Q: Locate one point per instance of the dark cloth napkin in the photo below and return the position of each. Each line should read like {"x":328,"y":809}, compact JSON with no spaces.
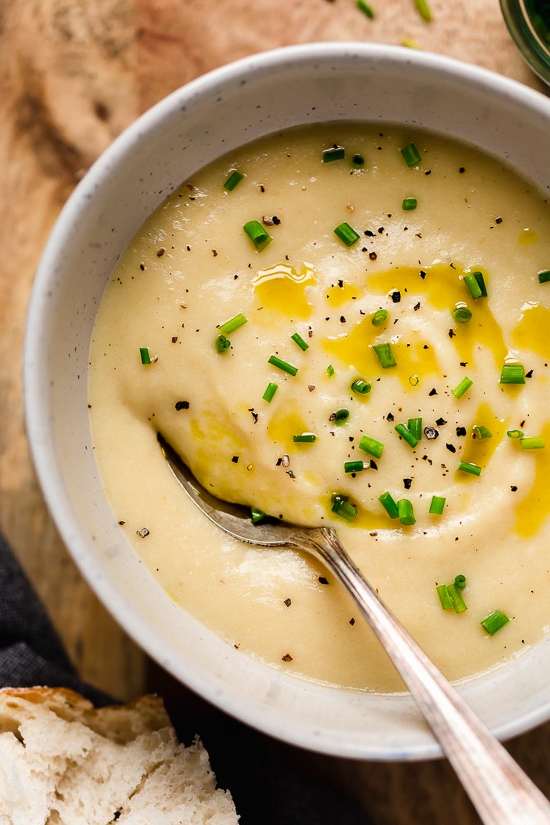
{"x":268,"y":780}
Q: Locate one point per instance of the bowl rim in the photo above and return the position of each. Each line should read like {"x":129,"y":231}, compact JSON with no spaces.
{"x":38,"y":324}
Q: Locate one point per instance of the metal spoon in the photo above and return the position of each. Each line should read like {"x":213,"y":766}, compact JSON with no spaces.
{"x":500,"y":791}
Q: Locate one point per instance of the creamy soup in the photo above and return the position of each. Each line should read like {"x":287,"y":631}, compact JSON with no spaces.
{"x":343,"y":325}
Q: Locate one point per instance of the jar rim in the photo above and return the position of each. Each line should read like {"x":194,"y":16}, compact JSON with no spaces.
{"x":534,"y":50}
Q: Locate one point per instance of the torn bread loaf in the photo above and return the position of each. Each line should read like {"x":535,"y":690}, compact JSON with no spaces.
{"x":63,"y":762}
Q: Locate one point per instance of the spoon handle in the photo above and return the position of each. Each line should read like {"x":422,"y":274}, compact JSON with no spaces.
{"x":500,"y":791}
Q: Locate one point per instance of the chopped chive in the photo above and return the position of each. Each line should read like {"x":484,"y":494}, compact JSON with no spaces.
{"x":234,"y":323}
{"x":444,"y":597}
{"x":144,"y":354}
{"x":338,"y":497}
{"x":222,"y":343}
{"x":361,"y":386}
{"x":257,"y":234}
{"x":389,"y":505}
{"x":257,"y":515}
{"x":409,"y":204}
{"x":385,"y":355}
{"x":405,"y":512}
{"x":304,"y":438}
{"x":365,"y":8}
{"x":544,"y":276}
{"x":460,"y":581}
{"x":461,"y":313}
{"x":411,"y":43}
{"x":532,"y":443}
{"x":333,"y":153}
{"x":371,"y":446}
{"x":379,"y":317}
{"x":282,"y":365}
{"x":462,"y":387}
{"x":423,"y":10}
{"x":437,"y":504}
{"x":403,"y":431}
{"x":353,"y":466}
{"x":480,"y":431}
{"x":358,"y":160}
{"x":411,"y":155}
{"x":456,"y":597}
{"x":468,"y":467}
{"x":347,"y":234}
{"x":512,"y":374}
{"x":476,"y":284}
{"x":494,"y":622}
{"x":330,"y":370}
{"x":270,"y":391}
{"x":297,"y":338}
{"x":414,"y":426}
{"x":233,"y":179}
{"x":514,"y":433}
{"x":340,"y":416}
{"x":343,"y":508}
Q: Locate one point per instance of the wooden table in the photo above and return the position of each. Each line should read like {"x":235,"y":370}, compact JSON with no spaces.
{"x":73,"y":74}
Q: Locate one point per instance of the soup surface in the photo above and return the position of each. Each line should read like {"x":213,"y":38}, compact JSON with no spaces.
{"x":339,"y":362}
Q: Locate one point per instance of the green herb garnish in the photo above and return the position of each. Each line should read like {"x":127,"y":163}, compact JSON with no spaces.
{"x":423,"y":10}
{"x":406,"y":435}
{"x":371,"y":446}
{"x":389,"y":505}
{"x":365,"y":8}
{"x":297,"y":338}
{"x":481,"y":432}
{"x":385,"y":355}
{"x":462,"y":387}
{"x":379,"y":317}
{"x":532,"y":443}
{"x":353,"y":466}
{"x":409,"y":204}
{"x":468,"y":467}
{"x":405,"y":512}
{"x":232,"y":181}
{"x":494,"y":622}
{"x":512,"y":374}
{"x":437,"y":504}
{"x":333,"y":153}
{"x":361,"y":386}
{"x":270,"y":391}
{"x":411,"y":155}
{"x":347,"y":234}
{"x":343,"y":508}
{"x":304,"y":438}
{"x":340,"y":416}
{"x":275,"y":361}
{"x":144,"y":355}
{"x":234,"y":323}
{"x":257,"y":234}
{"x":222,"y":343}
{"x":461,"y":313}
{"x":476,"y":284}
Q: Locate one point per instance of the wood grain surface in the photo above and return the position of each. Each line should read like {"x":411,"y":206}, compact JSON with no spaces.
{"x":73,"y":74}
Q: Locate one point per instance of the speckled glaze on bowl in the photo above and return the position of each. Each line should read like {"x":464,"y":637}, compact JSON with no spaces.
{"x":206,"y":118}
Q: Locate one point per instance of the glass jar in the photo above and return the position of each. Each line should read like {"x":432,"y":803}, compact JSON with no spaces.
{"x":528,"y":22}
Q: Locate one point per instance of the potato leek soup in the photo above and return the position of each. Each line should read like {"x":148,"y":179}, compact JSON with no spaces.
{"x":339,"y":325}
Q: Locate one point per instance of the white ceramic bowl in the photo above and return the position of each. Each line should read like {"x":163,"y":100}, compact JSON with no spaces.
{"x":190,"y":128}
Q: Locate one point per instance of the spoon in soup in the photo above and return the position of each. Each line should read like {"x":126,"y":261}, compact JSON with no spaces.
{"x":500,"y":791}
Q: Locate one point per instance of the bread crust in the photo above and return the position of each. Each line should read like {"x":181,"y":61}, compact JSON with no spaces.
{"x":65,"y":762}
